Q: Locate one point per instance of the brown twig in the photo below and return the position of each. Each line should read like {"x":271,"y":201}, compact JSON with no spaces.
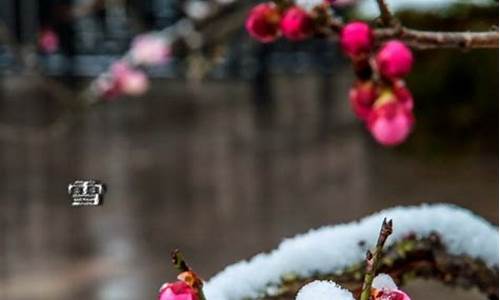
{"x":420,"y":39}
{"x":373,"y":259}
{"x":385,"y":14}
{"x":181,"y":265}
{"x":179,"y":262}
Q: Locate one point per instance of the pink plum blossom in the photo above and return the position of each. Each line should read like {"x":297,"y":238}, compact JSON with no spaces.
{"x":130,"y":81}
{"x":122,"y":80}
{"x":296,"y":24}
{"x":384,"y":288}
{"x":356,"y":39}
{"x":390,"y":123}
{"x":149,"y":49}
{"x":391,"y":295}
{"x":263,"y":22}
{"x":178,"y":290}
{"x":394,"y":60}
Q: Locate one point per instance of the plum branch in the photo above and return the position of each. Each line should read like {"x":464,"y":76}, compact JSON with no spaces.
{"x":420,"y":39}
{"x":406,"y":260}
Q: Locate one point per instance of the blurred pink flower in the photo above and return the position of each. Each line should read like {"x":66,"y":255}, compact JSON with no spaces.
{"x":122,"y":80}
{"x":129,"y":81}
{"x":178,"y":290}
{"x":149,"y":49}
{"x":107,"y":88}
{"x":48,"y":41}
{"x":394,"y":60}
{"x":263,"y":22}
{"x":356,"y":39}
{"x":296,"y":24}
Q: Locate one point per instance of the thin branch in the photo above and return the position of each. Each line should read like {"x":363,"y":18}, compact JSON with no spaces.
{"x":420,"y":39}
{"x":373,"y":259}
{"x":385,"y":13}
{"x":181,"y":265}
{"x":179,"y":262}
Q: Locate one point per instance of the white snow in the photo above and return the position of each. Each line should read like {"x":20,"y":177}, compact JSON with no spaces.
{"x":384,"y":282}
{"x":323,"y":290}
{"x":309,"y":4}
{"x":332,"y":248}
{"x":197,"y":9}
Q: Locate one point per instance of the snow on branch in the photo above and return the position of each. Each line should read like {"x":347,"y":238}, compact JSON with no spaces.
{"x":441,"y":241}
{"x":323,"y":290}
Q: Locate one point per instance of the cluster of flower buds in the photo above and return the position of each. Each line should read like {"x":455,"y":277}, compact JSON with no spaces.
{"x":124,"y":78}
{"x":379,"y":97}
{"x":187,"y":287}
{"x":268,"y":21}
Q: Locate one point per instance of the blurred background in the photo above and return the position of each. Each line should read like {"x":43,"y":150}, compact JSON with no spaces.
{"x":235,"y":146}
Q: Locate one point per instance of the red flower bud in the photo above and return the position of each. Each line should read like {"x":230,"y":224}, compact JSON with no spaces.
{"x":178,"y":290}
{"x":391,"y":295}
{"x":297,"y":24}
{"x":356,"y":39}
{"x":403,"y":94}
{"x":263,"y":22}
{"x":394,"y":60}
{"x":362,"y":96}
